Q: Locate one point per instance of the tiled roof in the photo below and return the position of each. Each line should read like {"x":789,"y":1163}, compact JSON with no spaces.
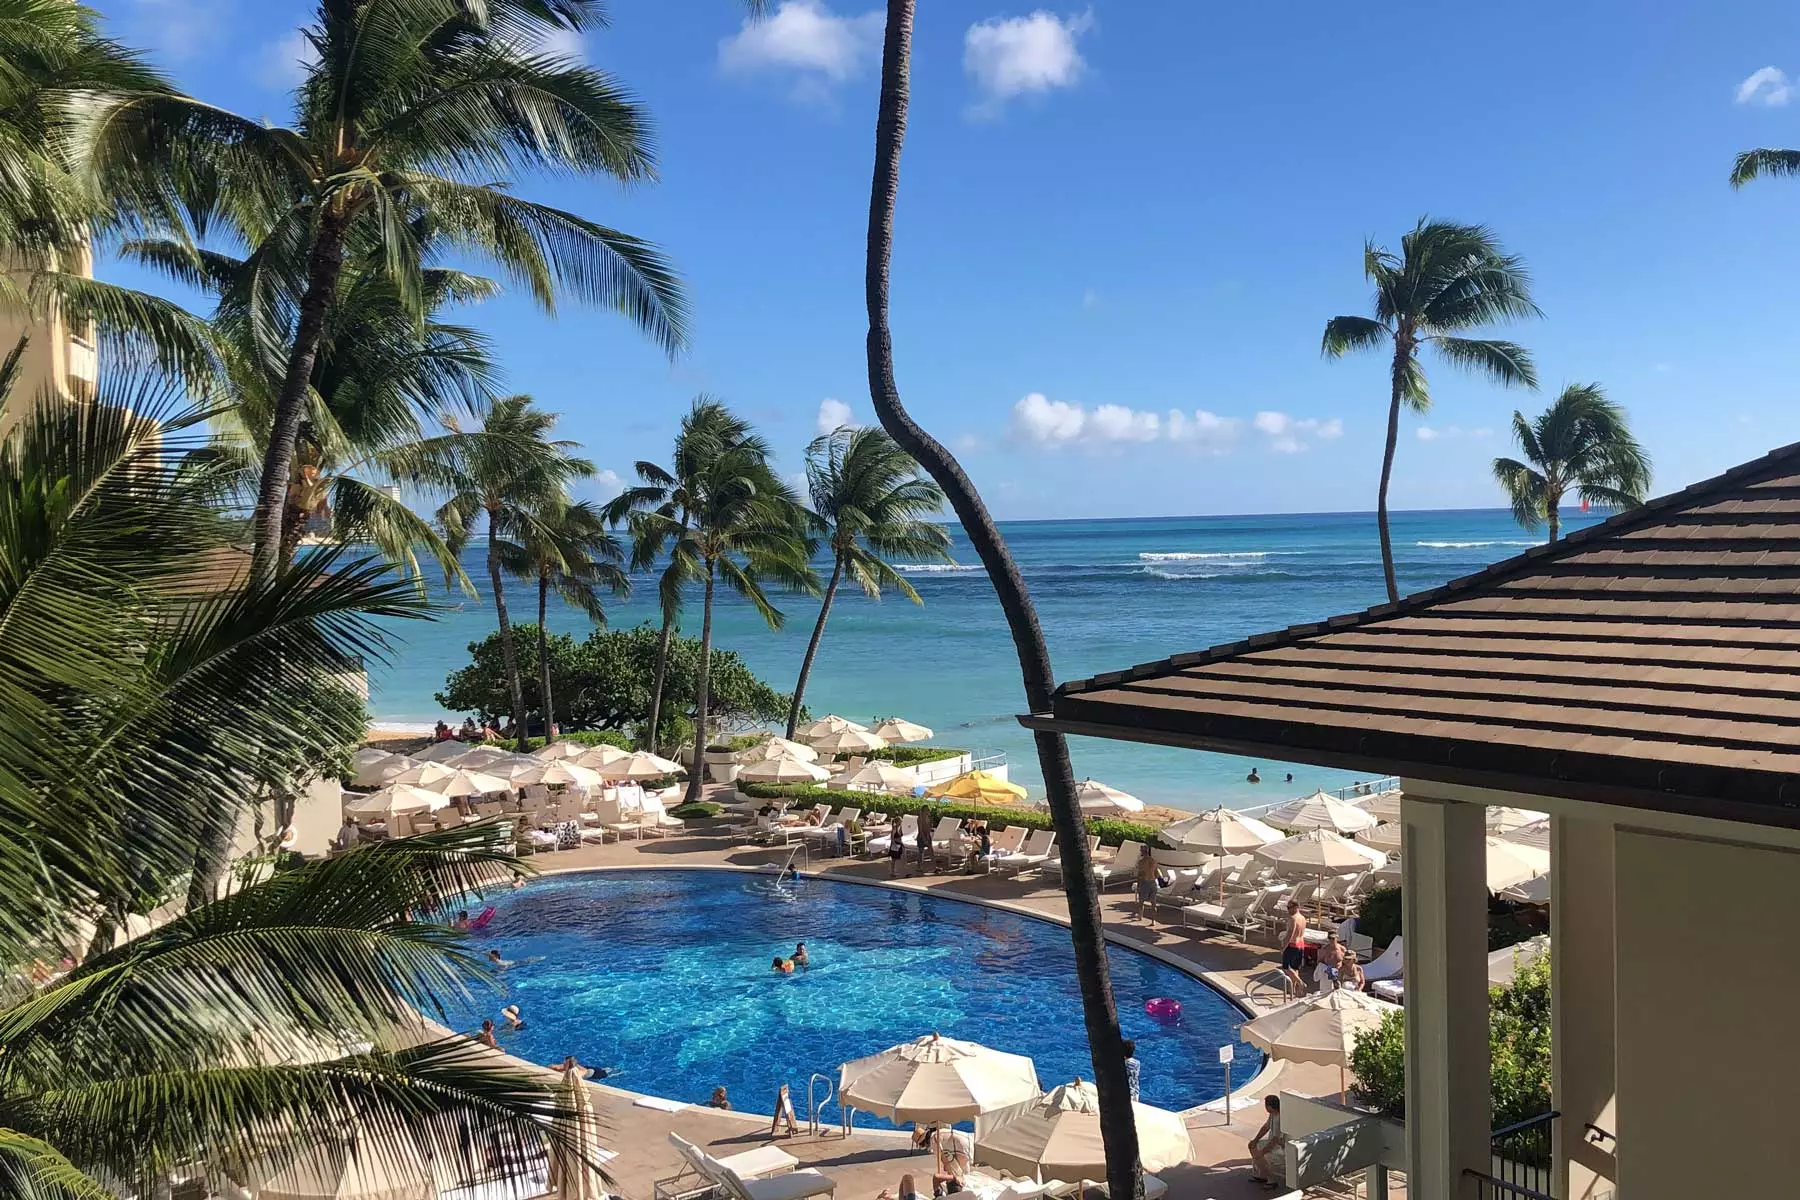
{"x":1653,"y":659}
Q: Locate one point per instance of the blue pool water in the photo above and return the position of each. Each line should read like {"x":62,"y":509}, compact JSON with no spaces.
{"x":665,"y":975}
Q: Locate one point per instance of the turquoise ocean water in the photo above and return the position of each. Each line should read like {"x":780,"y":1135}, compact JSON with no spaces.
{"x":1109,"y":593}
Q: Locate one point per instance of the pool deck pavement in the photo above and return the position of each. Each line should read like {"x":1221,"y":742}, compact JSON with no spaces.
{"x":872,"y":1160}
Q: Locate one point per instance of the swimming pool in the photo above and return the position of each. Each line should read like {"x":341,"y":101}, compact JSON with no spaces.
{"x":665,"y":976}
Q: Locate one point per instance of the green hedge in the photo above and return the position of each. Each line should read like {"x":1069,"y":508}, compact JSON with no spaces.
{"x":699,"y":808}
{"x":909,"y":756}
{"x":587,"y":737}
{"x":1111,"y":832}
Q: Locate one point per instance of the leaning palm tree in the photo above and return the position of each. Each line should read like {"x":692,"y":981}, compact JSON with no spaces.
{"x":567,"y":547}
{"x":504,"y":472}
{"x":1581,"y":444}
{"x":869,"y":505}
{"x":1446,"y":279}
{"x":1754,"y":164}
{"x":409,"y":114}
{"x":1124,"y":1177}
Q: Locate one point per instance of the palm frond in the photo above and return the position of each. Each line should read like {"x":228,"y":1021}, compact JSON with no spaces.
{"x":1345,"y":334}
{"x":1754,"y":164}
{"x":1506,"y":363}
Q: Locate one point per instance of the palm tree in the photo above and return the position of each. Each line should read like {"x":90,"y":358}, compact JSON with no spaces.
{"x":1581,"y":443}
{"x":410,"y":109}
{"x":1753,"y":164}
{"x":1124,"y":1177}
{"x":869,"y":504}
{"x":1447,"y":278}
{"x":565,"y":546}
{"x":505,"y":471}
{"x":146,"y":676}
{"x":658,"y":511}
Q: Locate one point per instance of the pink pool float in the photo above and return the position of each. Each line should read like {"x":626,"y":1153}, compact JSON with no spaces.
{"x":1163,"y":1008}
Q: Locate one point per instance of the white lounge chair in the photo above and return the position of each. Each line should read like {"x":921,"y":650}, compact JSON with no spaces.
{"x":1008,"y":841}
{"x":1385,"y":977}
{"x":1122,"y":867}
{"x":1237,"y":913}
{"x":1035,"y":853}
{"x":909,"y":825}
{"x":1056,"y":864}
{"x":656,"y":822}
{"x":760,"y":1163}
{"x":795,"y":1185}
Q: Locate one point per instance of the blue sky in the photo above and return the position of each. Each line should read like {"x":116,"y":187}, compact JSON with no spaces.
{"x":1117,"y":212}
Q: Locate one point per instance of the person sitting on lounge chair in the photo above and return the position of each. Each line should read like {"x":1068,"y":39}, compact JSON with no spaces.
{"x":907,"y":1190}
{"x":1350,"y":974}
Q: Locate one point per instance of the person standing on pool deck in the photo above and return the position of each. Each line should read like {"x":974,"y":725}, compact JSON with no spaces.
{"x":896,"y":848}
{"x":1293,"y":950}
{"x":1146,"y":884}
{"x":1134,"y":1070}
{"x":922,"y":840}
{"x":784,"y":1108}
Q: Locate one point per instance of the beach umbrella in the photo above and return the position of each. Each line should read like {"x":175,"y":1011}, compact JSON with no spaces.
{"x":1509,"y":863}
{"x":576,"y":1147}
{"x":827,"y":724}
{"x":1321,"y":811}
{"x":880,"y":777}
{"x":847,"y":741}
{"x":936,"y":1080}
{"x":560,"y":773}
{"x":392,"y":1171}
{"x":784,"y":770}
{"x":1094,"y":796}
{"x":375,"y":771}
{"x":601,"y":756}
{"x":1221,"y":831}
{"x":899,"y":729}
{"x":983,"y":787}
{"x":640,"y":764}
{"x":1503,"y":820}
{"x":777,"y":747}
{"x":563,"y":749}
{"x":1321,"y":852}
{"x":468,"y":783}
{"x":396,"y":798}
{"x":1535,"y":890}
{"x":1320,"y":1029}
{"x":422,"y":774}
{"x":1385,"y":837}
{"x":479,"y":757}
{"x":442,"y":751}
{"x":365,"y":754}
{"x":1536,"y":835}
{"x":1057,"y":1136}
{"x":1383,"y":807}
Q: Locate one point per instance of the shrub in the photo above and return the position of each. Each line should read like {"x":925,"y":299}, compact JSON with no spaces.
{"x":1110,"y":831}
{"x":1378,"y":916}
{"x":699,"y":808}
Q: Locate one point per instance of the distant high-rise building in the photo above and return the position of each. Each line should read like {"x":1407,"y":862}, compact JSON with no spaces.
{"x":58,"y":356}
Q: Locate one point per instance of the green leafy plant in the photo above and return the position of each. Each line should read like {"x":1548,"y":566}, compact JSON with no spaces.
{"x":699,"y":808}
{"x":1378,"y":916}
{"x":1110,"y":832}
{"x":909,"y":756}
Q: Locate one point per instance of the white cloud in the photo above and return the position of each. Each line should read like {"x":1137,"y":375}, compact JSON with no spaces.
{"x":1429,"y":433}
{"x":1290,"y":435}
{"x":1116,"y":423}
{"x":1204,"y":431}
{"x":287,"y":60}
{"x":1050,"y":424}
{"x":1015,"y":56}
{"x":1046,"y":422}
{"x":806,"y":37}
{"x":832,"y":414}
{"x":1769,"y":87}
{"x":606,"y":485}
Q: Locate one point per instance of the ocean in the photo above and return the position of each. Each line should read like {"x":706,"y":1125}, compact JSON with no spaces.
{"x":1110,"y":594}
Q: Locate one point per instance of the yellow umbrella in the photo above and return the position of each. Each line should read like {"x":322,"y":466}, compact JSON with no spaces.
{"x":983,"y":787}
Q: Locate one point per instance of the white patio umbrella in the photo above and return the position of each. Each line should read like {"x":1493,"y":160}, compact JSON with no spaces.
{"x":1535,"y":890}
{"x":468,"y":783}
{"x":479,"y":757}
{"x":777,"y":747}
{"x":421,"y":774}
{"x":848,"y":741}
{"x":572,"y":1154}
{"x":1318,"y":1029}
{"x":1383,"y":807}
{"x":1221,"y":831}
{"x":1094,"y":796}
{"x":440,"y":751}
{"x":1057,"y":1136}
{"x":601,"y":756}
{"x":936,"y":1080}
{"x":1321,"y":852}
{"x":1509,"y":863}
{"x":1385,"y":837}
{"x":640,"y":764}
{"x":899,"y":729}
{"x":827,"y":724}
{"x":1502,"y":819}
{"x":365,"y":754}
{"x":560,"y":772}
{"x":375,"y":771}
{"x":396,"y":798}
{"x":1321,"y":811}
{"x":1536,"y":835}
{"x":561,"y":750}
{"x":880,"y":777}
{"x":394,"y":1172}
{"x":784,"y":770}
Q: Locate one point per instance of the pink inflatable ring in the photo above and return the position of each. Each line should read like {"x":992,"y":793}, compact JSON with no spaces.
{"x":1163,"y":1008}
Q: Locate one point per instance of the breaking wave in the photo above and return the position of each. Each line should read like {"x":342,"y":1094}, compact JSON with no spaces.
{"x":1194,"y":556}
{"x":934,"y":568}
{"x":1240,"y":576}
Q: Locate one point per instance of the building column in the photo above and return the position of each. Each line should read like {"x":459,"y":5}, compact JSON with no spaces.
{"x":1444,"y":913}
{"x":1583,"y":992}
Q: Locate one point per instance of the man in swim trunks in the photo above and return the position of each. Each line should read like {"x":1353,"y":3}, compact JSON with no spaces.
{"x":1293,"y":950}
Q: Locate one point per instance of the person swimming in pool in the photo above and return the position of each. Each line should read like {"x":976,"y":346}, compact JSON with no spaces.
{"x":513,"y":1019}
{"x":498,"y":963}
{"x":783,"y":965}
{"x":800,"y":960}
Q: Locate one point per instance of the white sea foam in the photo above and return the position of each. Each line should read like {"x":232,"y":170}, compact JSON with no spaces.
{"x":1194,"y":556}
{"x":934,"y":568}
{"x":1160,"y":573}
{"x":1469,"y":545}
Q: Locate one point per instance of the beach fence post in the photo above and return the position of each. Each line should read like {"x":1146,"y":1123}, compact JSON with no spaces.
{"x":1226,"y":1053}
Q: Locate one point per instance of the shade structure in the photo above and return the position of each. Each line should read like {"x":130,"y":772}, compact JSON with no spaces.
{"x":880,"y":777}
{"x":1383,"y":807}
{"x":1385,"y":837}
{"x":827,"y":724}
{"x":936,"y":1080}
{"x":1318,"y":1029}
{"x":1536,"y":835}
{"x":364,"y":754}
{"x":424,"y":773}
{"x":1220,"y":831}
{"x":784,"y":770}
{"x":1057,"y":1136}
{"x":1321,"y":810}
{"x":557,"y":750}
{"x":899,"y":729}
{"x":640,"y":764}
{"x":1094,"y":796}
{"x":777,"y":747}
{"x":379,"y":768}
{"x":468,"y":783}
{"x":560,"y":773}
{"x":1321,"y":852}
{"x":984,"y":787}
{"x":1509,"y":863}
{"x":1535,"y":890}
{"x":1503,"y":819}
{"x":601,"y":756}
{"x":339,"y":1173}
{"x":441,"y":751}
{"x":576,"y":1145}
{"x":396,"y":798}
{"x":848,"y":741}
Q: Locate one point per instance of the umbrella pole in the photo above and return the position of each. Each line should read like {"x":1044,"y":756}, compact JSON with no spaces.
{"x":1343,"y":1087}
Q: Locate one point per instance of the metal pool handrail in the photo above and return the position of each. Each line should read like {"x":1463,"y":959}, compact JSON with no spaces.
{"x":812,"y":1106}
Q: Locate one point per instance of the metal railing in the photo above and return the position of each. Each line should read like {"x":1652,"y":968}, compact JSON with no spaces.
{"x":1522,"y":1149}
{"x":1488,"y":1187}
{"x":815,"y":1106}
{"x":1350,"y":794}
{"x":987,"y":760}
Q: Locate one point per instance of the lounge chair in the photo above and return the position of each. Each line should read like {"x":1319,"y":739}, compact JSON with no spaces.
{"x":794,"y":1185}
{"x":656,"y":822}
{"x":1008,"y":841}
{"x":1385,"y":976}
{"x":1035,"y":853}
{"x":760,"y":1163}
{"x":1237,"y":914}
{"x":1180,"y":894}
{"x":1123,"y":866}
{"x":946,"y":840}
{"x":1093,"y":845}
{"x":909,"y":825}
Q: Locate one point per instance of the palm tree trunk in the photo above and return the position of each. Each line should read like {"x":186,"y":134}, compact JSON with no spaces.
{"x":324,"y":267}
{"x":812,"y":647}
{"x":293,"y":528}
{"x":1555,"y":524}
{"x":544,"y":660}
{"x":508,"y":652}
{"x":697,"y":768}
{"x":653,"y":740}
{"x":1117,"y":1127}
{"x":1402,"y":354}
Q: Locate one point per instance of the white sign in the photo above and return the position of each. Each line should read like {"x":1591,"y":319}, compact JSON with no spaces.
{"x":1225,"y":1053}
